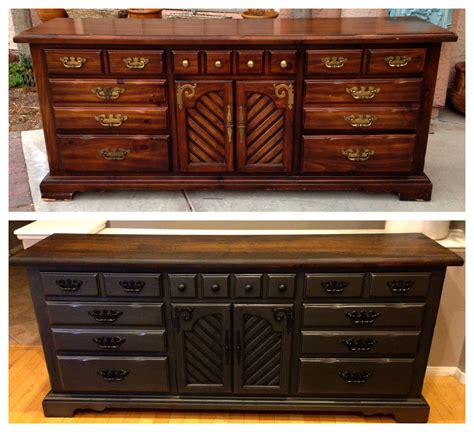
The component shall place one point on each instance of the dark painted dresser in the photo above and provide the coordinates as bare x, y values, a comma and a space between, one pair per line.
309, 104
292, 323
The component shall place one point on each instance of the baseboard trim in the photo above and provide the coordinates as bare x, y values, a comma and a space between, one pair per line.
447, 371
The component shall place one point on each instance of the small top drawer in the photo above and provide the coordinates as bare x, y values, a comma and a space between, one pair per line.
250, 62
330, 62
281, 285
283, 62
135, 62
248, 285
70, 284
334, 285
215, 285
218, 62
73, 61
186, 62
132, 285
397, 60
183, 285
399, 284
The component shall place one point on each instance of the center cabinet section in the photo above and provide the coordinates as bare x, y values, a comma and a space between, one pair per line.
240, 348
252, 134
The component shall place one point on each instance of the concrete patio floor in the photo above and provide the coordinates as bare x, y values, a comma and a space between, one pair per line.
445, 165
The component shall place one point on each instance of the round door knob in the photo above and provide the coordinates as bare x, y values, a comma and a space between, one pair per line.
218, 64
215, 287
283, 64
181, 286
248, 287
250, 64
185, 63
282, 287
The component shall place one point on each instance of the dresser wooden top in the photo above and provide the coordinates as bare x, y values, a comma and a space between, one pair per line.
311, 251
194, 31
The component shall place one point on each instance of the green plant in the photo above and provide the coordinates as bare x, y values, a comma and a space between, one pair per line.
21, 74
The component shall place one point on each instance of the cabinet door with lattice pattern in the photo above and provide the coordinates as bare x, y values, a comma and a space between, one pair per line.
262, 350
264, 117
205, 125
203, 347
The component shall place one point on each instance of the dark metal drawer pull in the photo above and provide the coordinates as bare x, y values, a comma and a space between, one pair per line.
105, 315
248, 287
113, 374
334, 287
351, 377
400, 286
215, 287
132, 286
363, 317
359, 344
109, 342
69, 284
184, 313
279, 314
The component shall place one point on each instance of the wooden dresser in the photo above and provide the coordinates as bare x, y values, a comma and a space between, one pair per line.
293, 323
286, 104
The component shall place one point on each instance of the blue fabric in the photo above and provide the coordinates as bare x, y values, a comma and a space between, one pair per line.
440, 17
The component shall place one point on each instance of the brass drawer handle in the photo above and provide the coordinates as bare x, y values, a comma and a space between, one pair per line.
363, 92
361, 121
218, 64
230, 123
111, 120
398, 61
250, 64
334, 62
358, 155
73, 62
283, 64
241, 125
136, 62
114, 154
188, 90
284, 90
108, 93
185, 63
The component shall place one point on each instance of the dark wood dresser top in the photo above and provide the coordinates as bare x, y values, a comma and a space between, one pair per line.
299, 251
148, 32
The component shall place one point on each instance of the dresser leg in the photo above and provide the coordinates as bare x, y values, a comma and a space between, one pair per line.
418, 194
412, 415
55, 408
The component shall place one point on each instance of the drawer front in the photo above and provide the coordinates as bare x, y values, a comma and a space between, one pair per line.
353, 377
359, 343
333, 285
69, 284
281, 285
333, 62
186, 62
367, 91
110, 341
358, 153
132, 285
218, 62
129, 62
250, 62
112, 119
361, 118
283, 62
215, 285
363, 315
121, 153
183, 285
105, 91
399, 284
114, 374
74, 62
248, 285
109, 313
397, 61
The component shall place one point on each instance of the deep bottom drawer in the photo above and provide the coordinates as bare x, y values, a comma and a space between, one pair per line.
109, 341
123, 153
358, 153
114, 374
352, 377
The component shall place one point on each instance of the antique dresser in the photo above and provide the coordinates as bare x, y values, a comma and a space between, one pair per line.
285, 323
286, 104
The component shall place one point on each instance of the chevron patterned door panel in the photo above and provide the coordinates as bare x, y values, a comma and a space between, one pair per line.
203, 347
264, 120
262, 338
204, 111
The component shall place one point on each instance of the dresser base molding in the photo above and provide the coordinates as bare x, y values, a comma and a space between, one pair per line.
408, 188
404, 411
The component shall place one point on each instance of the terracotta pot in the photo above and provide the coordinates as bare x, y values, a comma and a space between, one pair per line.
49, 14
144, 13
457, 95
260, 14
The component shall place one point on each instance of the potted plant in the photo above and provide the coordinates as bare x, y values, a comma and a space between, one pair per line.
260, 14
144, 13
